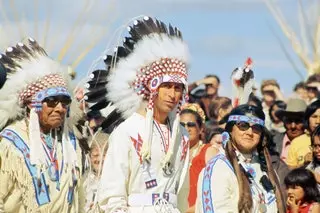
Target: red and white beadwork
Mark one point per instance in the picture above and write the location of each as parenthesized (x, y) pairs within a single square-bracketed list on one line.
[(48, 81), (151, 76)]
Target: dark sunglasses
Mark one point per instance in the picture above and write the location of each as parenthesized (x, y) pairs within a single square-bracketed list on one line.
[(292, 120), (54, 101), (315, 146), (243, 126), (188, 124)]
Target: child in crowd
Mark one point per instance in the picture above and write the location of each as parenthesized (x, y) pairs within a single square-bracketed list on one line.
[(302, 191)]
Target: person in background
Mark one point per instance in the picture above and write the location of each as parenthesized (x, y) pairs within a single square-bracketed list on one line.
[(300, 91), (300, 146), (302, 192), (292, 117), (192, 118), (314, 165), (276, 123), (218, 108), (214, 136), (313, 87), (98, 149), (270, 90), (211, 83)]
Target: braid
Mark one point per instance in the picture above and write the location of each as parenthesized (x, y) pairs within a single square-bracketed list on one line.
[(245, 202), (262, 158), (274, 180)]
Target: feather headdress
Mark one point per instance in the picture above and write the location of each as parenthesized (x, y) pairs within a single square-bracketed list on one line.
[(152, 54), (242, 82), (29, 71), (30, 77)]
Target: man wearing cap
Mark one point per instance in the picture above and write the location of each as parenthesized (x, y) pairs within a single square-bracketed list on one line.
[(292, 118), (40, 158)]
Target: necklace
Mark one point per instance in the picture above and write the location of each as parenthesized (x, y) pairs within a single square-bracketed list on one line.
[(195, 151), (50, 150), (164, 134)]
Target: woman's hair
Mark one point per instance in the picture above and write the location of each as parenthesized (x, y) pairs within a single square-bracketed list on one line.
[(255, 101), (306, 180), (217, 104), (245, 202), (197, 116), (210, 132), (279, 104), (316, 133), (310, 110)]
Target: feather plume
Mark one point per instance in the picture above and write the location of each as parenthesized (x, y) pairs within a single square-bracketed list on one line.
[(242, 81)]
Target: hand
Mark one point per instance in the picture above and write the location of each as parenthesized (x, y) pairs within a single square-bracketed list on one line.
[(210, 80), (308, 157), (292, 204)]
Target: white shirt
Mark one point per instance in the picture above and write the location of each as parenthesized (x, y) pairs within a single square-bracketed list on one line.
[(122, 176)]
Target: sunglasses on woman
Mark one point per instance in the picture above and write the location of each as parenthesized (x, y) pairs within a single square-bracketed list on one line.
[(188, 124), (243, 126), (55, 100)]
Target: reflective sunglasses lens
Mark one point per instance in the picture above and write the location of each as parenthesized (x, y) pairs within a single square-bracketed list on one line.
[(243, 126)]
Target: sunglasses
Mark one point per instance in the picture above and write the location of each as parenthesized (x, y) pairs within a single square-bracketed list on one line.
[(244, 126), (54, 101), (188, 124), (315, 146)]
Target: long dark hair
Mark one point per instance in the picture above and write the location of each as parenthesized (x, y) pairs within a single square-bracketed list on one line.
[(305, 179), (309, 111), (245, 202), (315, 161)]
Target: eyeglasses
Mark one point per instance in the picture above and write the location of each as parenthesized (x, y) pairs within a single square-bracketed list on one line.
[(292, 120), (188, 124), (315, 146), (243, 126), (54, 101)]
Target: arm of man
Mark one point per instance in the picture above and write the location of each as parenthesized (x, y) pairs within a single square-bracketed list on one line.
[(112, 194)]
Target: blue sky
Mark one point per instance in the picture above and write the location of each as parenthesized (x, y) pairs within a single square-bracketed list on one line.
[(220, 34)]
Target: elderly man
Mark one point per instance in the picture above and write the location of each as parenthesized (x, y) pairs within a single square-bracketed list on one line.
[(39, 168), (292, 118)]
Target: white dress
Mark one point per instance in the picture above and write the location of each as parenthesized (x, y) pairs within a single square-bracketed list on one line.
[(123, 186), (218, 188)]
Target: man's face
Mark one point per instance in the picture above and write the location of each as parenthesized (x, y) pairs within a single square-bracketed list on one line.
[(53, 111), (169, 95), (312, 90), (268, 94), (294, 126), (212, 87), (302, 93)]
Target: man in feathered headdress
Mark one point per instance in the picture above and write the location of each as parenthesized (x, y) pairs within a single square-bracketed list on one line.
[(39, 169), (147, 84)]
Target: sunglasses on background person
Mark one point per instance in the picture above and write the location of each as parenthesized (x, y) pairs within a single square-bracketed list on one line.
[(244, 126), (188, 124), (315, 146), (55, 100)]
